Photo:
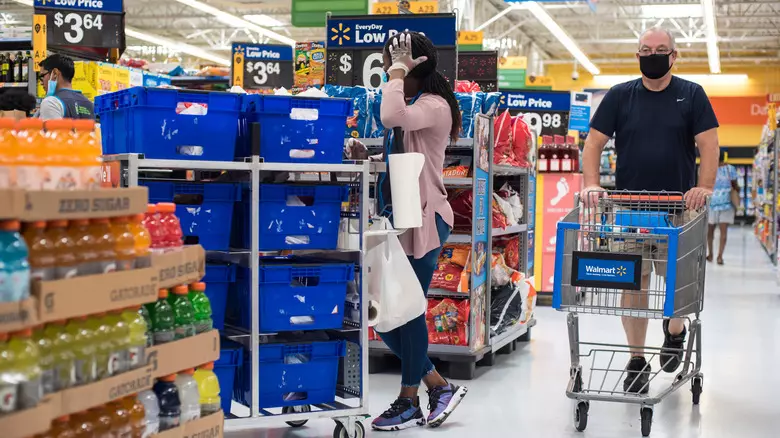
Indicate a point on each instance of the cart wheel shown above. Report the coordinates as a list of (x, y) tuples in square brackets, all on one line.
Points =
[(296, 410), (647, 420), (341, 432), (581, 416), (697, 386)]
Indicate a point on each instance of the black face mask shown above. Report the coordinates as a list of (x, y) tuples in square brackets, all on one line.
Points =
[(654, 66)]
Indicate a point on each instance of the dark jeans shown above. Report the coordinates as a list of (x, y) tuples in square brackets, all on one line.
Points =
[(410, 341)]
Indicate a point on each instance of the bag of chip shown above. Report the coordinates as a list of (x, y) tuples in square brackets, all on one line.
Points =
[(502, 140), (522, 143)]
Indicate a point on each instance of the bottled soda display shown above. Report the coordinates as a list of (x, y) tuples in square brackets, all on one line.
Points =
[(202, 307), (142, 241), (151, 412), (124, 243), (65, 263), (183, 312), (163, 319), (208, 388), (27, 363), (41, 252), (171, 228), (86, 251), (14, 265), (188, 395), (63, 348), (85, 362), (169, 402), (137, 336), (105, 245)]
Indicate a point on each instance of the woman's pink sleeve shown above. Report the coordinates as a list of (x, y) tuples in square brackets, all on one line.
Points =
[(395, 113)]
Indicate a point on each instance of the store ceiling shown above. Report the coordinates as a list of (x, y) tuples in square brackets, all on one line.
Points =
[(748, 30)]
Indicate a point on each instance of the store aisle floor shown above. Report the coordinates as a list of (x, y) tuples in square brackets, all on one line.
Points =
[(523, 394)]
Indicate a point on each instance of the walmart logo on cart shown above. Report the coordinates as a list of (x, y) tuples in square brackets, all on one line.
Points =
[(600, 270)]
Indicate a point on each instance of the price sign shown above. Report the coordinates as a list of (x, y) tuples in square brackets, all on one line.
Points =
[(480, 67), (546, 112), (83, 23), (262, 67), (355, 45)]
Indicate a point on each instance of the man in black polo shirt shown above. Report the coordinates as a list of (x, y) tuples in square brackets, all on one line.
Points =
[(658, 121)]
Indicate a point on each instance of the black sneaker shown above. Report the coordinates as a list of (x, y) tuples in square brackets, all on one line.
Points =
[(402, 414), (638, 376), (672, 352)]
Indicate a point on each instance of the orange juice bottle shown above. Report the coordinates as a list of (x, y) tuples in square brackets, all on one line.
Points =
[(41, 251), (142, 240), (61, 428), (120, 419), (85, 247), (82, 425), (101, 422), (60, 155), (124, 243), (89, 153), (104, 244), (9, 153), (31, 161), (64, 247), (137, 415)]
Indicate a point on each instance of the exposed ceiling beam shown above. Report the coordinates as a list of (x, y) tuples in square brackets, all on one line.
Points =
[(544, 17), (747, 39), (177, 46)]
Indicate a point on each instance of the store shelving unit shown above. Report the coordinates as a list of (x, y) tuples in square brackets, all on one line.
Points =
[(351, 405), (765, 192)]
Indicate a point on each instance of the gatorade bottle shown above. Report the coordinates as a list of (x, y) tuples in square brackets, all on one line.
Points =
[(89, 152), (119, 360), (137, 415), (202, 307), (163, 319), (104, 347), (142, 242), (9, 385), (156, 233), (208, 387), (189, 395), (14, 267), (30, 171), (27, 360), (152, 412), (137, 339), (41, 249), (104, 244), (84, 350), (64, 354), (124, 243), (82, 425), (63, 163), (144, 312), (168, 399), (183, 312), (61, 428), (45, 347), (169, 223), (85, 249), (9, 153), (64, 247), (101, 421), (120, 419)]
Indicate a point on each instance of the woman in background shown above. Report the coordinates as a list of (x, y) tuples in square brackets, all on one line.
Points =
[(721, 211)]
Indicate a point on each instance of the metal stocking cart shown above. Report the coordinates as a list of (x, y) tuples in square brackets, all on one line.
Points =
[(602, 254)]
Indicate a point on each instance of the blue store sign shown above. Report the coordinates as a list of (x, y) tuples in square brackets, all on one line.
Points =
[(82, 5), (546, 112)]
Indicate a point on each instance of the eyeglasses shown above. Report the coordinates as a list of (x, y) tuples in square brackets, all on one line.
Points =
[(646, 51), (41, 75)]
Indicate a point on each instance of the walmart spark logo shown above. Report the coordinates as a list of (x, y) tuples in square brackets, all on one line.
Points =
[(621, 271), (340, 34), (502, 100)]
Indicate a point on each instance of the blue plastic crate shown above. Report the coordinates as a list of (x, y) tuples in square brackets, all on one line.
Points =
[(295, 294), (231, 358), (218, 278), (293, 374), (205, 210), (145, 121), (287, 133)]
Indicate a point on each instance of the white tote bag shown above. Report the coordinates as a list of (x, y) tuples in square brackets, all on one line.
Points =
[(394, 291)]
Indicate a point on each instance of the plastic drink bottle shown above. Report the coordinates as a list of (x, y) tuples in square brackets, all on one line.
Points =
[(137, 415), (84, 350), (64, 247), (14, 267), (124, 243), (169, 402), (101, 421), (163, 319), (142, 241), (64, 354), (202, 307), (137, 336), (9, 152), (183, 312), (31, 158), (85, 250), (61, 428), (189, 395), (45, 347), (104, 244), (89, 151), (151, 411), (156, 233), (144, 312), (169, 223), (208, 387), (9, 388), (27, 359), (62, 163), (120, 419), (119, 332), (41, 251), (102, 342), (82, 425)]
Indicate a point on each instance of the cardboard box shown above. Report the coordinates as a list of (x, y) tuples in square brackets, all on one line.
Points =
[(84, 397), (180, 267), (17, 316), (75, 204), (185, 353), (82, 79), (29, 422), (121, 78), (212, 426)]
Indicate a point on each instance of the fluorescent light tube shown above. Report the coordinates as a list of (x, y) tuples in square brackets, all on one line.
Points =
[(174, 45), (562, 36), (713, 54), (671, 11), (235, 21)]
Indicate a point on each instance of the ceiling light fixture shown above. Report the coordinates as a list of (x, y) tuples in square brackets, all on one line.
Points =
[(713, 54), (235, 21), (264, 20), (548, 22), (177, 46), (671, 11)]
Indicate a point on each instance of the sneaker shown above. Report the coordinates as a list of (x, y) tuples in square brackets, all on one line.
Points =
[(403, 414), (638, 376), (442, 402), (672, 351)]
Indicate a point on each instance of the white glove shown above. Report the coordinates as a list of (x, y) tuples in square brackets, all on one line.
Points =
[(401, 54)]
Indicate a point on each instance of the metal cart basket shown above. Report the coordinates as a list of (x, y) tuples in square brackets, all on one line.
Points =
[(605, 253)]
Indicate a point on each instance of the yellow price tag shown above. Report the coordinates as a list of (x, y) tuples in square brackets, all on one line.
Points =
[(390, 8), (470, 37), (538, 81), (424, 7), (39, 41)]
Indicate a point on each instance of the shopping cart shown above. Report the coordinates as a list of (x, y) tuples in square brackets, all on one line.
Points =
[(603, 251)]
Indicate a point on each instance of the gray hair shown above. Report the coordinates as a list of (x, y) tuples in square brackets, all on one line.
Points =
[(658, 29)]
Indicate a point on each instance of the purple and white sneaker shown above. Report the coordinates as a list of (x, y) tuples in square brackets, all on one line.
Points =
[(442, 402), (403, 414)]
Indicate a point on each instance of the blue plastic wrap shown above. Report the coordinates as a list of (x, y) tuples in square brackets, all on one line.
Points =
[(490, 103), (378, 130), (470, 106)]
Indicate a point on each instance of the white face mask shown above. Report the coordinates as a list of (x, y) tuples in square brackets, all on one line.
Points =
[(52, 88)]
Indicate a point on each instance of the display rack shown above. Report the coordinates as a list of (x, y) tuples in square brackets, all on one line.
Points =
[(765, 191), (482, 348), (351, 406)]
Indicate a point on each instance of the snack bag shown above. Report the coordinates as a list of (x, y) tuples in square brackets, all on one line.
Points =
[(522, 144), (502, 151), (470, 106), (490, 103)]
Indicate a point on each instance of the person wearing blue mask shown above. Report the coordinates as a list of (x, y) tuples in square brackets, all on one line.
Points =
[(62, 101)]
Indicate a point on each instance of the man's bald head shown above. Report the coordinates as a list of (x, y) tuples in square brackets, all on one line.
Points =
[(656, 37)]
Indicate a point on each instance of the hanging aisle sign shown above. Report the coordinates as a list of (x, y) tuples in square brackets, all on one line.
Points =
[(75, 24), (355, 44), (546, 112), (262, 67)]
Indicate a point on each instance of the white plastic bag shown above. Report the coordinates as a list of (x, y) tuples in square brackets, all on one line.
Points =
[(392, 284)]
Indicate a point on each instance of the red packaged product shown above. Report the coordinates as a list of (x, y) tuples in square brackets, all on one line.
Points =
[(502, 143), (522, 141)]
